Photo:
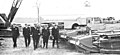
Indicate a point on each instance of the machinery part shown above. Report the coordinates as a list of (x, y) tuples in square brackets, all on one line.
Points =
[(15, 6)]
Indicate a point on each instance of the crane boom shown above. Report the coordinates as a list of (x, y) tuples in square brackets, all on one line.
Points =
[(15, 6)]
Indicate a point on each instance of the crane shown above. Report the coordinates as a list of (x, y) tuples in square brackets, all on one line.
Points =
[(5, 21)]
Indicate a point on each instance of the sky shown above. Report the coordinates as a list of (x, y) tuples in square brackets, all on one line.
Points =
[(63, 9)]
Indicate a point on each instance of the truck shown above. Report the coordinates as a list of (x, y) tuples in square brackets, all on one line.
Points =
[(5, 21), (93, 22), (67, 23)]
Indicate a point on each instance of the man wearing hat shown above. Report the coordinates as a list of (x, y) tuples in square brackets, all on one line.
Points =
[(26, 34), (15, 34), (45, 34), (35, 31), (55, 34)]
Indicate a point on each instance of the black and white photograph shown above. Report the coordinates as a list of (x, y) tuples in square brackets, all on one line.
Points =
[(59, 27)]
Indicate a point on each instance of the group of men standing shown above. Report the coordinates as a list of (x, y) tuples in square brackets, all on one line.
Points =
[(36, 32)]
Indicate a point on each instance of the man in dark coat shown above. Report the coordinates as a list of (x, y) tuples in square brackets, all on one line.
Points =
[(15, 35), (45, 34), (26, 34), (55, 34), (35, 35)]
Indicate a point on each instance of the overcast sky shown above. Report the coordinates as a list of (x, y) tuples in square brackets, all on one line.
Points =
[(57, 9)]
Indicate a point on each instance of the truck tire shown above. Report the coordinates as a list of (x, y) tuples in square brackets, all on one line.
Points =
[(74, 25)]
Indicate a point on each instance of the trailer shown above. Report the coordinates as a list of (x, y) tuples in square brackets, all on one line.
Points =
[(100, 41)]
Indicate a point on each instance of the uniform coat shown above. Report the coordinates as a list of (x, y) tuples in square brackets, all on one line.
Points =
[(26, 31), (55, 33), (15, 32)]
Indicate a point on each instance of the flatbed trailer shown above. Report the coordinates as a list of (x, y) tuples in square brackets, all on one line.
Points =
[(100, 41)]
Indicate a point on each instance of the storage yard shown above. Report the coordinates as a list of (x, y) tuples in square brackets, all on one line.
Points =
[(75, 27)]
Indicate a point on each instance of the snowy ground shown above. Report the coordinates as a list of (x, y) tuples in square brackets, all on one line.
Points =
[(65, 49)]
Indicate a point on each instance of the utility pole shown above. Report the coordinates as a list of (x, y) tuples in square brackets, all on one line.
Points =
[(38, 14), (38, 11)]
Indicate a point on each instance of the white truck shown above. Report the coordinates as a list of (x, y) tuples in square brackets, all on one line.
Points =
[(68, 23)]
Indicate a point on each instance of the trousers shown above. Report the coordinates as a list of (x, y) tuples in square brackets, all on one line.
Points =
[(27, 40), (35, 41), (14, 41), (55, 41)]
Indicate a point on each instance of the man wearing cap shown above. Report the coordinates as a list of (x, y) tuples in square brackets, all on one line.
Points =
[(15, 34), (45, 34), (35, 35), (55, 34), (26, 34)]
